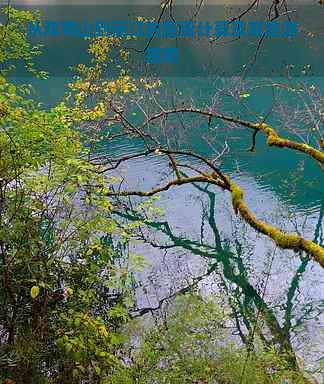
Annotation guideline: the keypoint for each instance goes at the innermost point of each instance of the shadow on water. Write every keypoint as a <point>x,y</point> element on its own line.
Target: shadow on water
<point>252,310</point>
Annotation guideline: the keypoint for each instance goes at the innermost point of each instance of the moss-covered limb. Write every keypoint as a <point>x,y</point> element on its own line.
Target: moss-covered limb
<point>282,239</point>
<point>273,139</point>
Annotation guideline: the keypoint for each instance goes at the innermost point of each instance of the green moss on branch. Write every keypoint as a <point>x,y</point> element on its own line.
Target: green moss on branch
<point>273,139</point>
<point>282,239</point>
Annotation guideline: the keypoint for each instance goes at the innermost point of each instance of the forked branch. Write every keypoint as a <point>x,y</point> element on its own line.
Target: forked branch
<point>282,239</point>
<point>273,138</point>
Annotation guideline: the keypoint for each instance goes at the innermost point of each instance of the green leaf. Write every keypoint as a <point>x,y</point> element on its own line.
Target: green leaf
<point>97,370</point>
<point>11,89</point>
<point>70,188</point>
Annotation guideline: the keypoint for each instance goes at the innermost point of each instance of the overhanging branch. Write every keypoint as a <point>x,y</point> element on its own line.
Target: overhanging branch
<point>282,239</point>
<point>273,139</point>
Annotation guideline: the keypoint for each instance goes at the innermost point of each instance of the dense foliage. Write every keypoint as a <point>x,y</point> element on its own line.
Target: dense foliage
<point>193,345</point>
<point>64,283</point>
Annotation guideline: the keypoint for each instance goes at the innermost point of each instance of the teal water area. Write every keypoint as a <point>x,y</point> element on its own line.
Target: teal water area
<point>199,56</point>
<point>270,166</point>
<point>200,239</point>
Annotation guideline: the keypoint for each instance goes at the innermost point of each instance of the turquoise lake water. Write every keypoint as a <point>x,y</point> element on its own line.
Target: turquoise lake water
<point>200,230</point>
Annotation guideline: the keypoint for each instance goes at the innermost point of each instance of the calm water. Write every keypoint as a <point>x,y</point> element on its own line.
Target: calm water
<point>203,234</point>
<point>199,231</point>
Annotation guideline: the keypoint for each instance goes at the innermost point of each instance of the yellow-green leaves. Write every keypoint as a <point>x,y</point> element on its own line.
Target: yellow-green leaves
<point>34,292</point>
<point>4,110</point>
<point>102,331</point>
<point>15,43</point>
<point>244,95</point>
<point>11,89</point>
<point>69,291</point>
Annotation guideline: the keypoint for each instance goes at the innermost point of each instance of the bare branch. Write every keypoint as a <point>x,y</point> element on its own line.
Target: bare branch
<point>282,239</point>
<point>273,139</point>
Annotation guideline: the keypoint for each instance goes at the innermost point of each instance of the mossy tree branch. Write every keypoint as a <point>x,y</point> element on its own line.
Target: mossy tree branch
<point>273,138</point>
<point>282,239</point>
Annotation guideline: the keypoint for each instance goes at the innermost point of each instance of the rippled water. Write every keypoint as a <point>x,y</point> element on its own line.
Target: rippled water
<point>295,287</point>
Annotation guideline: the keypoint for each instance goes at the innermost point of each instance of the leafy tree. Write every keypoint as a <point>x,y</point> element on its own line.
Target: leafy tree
<point>65,285</point>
